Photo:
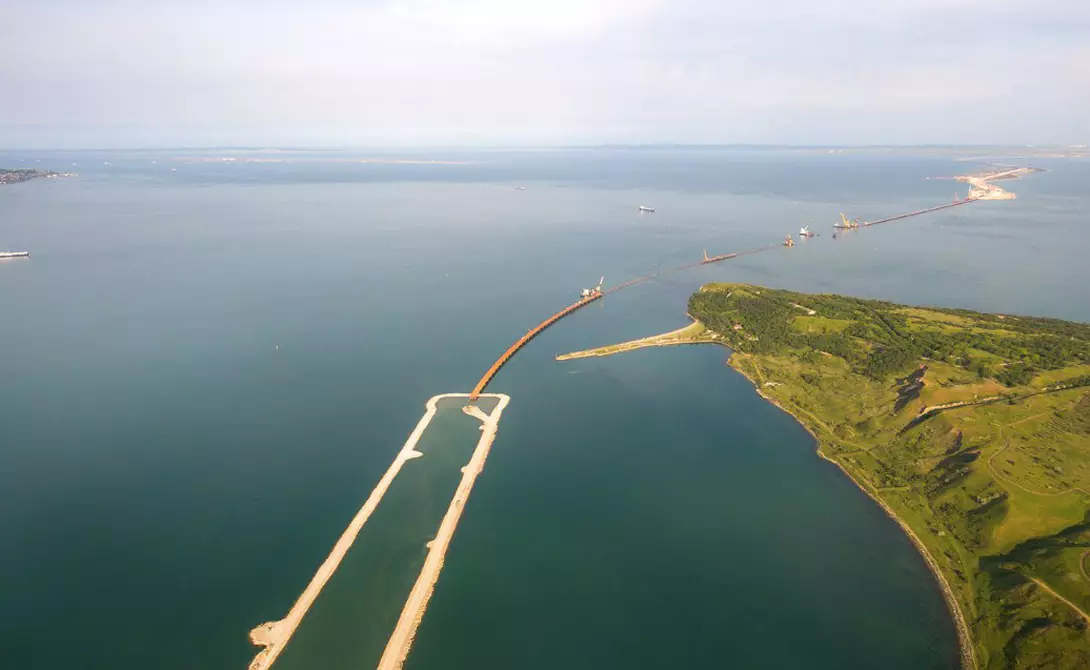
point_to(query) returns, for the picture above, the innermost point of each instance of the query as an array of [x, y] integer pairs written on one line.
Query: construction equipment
[[596, 291], [846, 223]]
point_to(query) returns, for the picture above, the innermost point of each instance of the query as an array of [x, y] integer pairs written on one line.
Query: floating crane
[[805, 232], [596, 291], [846, 223]]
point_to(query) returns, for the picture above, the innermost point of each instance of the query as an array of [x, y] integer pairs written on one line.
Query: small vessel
[[14, 254], [645, 208], [789, 242], [846, 223], [805, 232]]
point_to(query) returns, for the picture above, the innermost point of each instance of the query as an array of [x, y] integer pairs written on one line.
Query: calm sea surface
[[208, 365]]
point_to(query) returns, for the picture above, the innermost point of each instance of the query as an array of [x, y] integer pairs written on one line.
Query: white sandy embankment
[[694, 333], [397, 649], [274, 635]]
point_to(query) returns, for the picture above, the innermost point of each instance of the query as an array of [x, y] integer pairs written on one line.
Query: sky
[[138, 73]]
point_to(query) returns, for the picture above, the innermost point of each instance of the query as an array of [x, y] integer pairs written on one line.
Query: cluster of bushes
[[767, 321]]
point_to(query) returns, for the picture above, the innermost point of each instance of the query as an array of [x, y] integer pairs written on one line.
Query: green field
[[973, 429]]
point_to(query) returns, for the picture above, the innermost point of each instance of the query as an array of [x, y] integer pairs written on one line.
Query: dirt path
[[1057, 596], [1004, 480], [397, 649], [274, 635]]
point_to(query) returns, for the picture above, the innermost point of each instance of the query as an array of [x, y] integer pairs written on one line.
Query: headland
[[20, 175], [971, 430]]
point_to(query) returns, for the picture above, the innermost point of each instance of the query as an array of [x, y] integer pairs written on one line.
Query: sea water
[[208, 366]]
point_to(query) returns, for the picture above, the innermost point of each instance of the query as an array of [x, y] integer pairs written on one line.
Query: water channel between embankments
[[352, 620]]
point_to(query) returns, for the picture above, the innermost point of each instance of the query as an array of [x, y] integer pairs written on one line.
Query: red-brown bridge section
[[921, 211], [532, 333], [521, 342]]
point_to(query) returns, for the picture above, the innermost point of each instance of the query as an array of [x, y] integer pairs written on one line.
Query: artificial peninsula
[[971, 430]]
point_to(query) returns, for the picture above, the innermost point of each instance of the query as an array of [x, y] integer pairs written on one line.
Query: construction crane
[[597, 290], [845, 222]]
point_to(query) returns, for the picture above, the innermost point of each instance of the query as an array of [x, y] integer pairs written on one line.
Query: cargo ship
[[14, 254], [645, 208]]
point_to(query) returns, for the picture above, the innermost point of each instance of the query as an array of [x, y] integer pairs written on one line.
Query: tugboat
[[805, 232]]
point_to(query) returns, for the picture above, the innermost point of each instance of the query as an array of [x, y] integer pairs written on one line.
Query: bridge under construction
[[591, 295], [273, 636]]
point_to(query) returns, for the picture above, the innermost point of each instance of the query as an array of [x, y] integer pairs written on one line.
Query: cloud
[[557, 71]]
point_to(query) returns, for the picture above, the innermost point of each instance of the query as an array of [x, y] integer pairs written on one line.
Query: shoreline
[[966, 652], [965, 645]]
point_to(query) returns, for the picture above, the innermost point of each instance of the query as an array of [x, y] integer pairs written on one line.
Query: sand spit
[[397, 649], [694, 333], [274, 635]]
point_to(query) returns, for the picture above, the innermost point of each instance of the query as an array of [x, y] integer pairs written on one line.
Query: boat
[[846, 223], [805, 232], [789, 242], [644, 208], [14, 254]]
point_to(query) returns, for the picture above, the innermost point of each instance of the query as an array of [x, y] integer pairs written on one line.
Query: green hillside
[[973, 429]]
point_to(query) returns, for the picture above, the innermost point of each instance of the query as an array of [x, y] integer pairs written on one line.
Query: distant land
[[16, 176], [971, 430], [969, 152]]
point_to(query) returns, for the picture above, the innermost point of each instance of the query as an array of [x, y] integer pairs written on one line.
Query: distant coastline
[[360, 161], [19, 175]]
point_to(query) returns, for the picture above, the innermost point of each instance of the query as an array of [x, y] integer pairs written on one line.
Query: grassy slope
[[997, 492]]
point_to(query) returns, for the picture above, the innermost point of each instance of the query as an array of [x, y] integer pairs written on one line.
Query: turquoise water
[[208, 368]]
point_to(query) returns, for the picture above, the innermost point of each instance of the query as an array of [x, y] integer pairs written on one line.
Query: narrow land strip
[[274, 635], [397, 649], [694, 333]]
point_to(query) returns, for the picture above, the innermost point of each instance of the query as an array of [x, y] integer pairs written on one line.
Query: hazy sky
[[100, 73]]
